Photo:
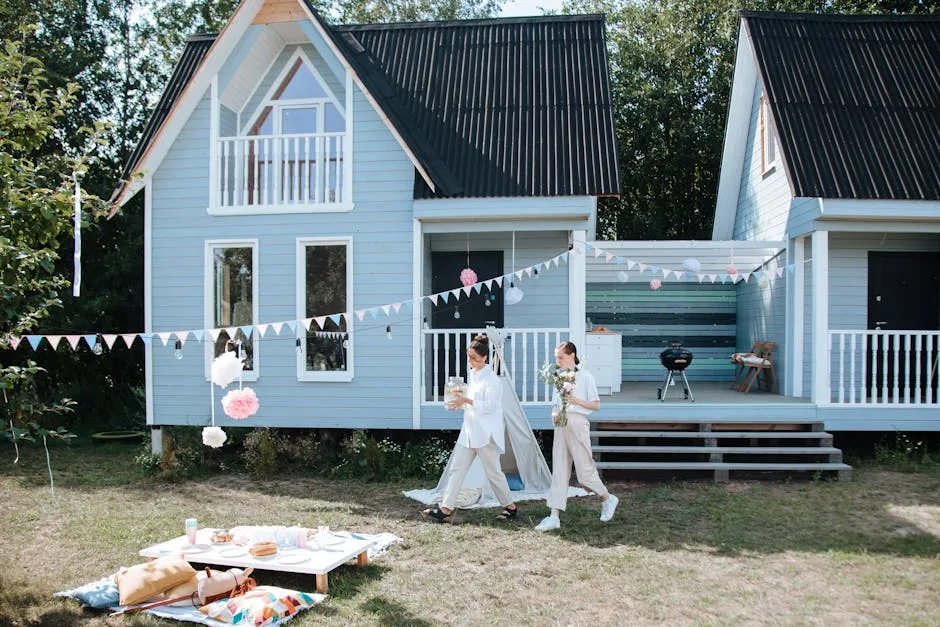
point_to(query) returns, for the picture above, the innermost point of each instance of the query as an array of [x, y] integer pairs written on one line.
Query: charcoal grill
[[675, 360]]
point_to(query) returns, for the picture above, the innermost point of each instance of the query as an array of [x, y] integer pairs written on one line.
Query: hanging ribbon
[[77, 259]]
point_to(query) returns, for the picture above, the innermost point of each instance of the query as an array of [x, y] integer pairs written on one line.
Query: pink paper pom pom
[[468, 277], [732, 270], [655, 284], [239, 404]]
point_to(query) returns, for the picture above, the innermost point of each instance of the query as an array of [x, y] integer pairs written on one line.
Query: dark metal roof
[[498, 107], [856, 101], [195, 51]]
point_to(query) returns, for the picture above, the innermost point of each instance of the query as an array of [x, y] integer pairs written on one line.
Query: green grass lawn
[[778, 552]]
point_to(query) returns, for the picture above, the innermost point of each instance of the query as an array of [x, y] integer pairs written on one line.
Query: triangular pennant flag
[[231, 332], [34, 341], [128, 339], [528, 271], [386, 308], [396, 307], [712, 277], [54, 340], [277, 326], [643, 267], [790, 268], [630, 264], [181, 336], [91, 340], [597, 253], [165, 337], [556, 260], [214, 334], [320, 320], [455, 294], [466, 290], [109, 339], [307, 322], [73, 340], [292, 325], [564, 257], [373, 311], [263, 328], [746, 276], [519, 274], [408, 305], [779, 272], [499, 281], [724, 277], [701, 277], [198, 334], [360, 314], [14, 341], [146, 338], [248, 329], [578, 249], [608, 257], [336, 318], [433, 298], [587, 246], [477, 287]]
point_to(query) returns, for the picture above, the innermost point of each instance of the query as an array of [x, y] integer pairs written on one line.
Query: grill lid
[[676, 357]]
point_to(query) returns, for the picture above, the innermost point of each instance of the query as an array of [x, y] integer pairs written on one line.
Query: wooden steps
[[719, 446]]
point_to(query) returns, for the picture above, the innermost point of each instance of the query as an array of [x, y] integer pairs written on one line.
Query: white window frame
[[301, 291], [768, 138], [209, 303]]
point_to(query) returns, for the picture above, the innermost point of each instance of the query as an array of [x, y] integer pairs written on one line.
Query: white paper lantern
[[692, 265], [225, 368], [623, 277], [513, 295]]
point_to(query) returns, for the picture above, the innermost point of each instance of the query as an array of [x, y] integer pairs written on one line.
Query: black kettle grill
[[675, 360]]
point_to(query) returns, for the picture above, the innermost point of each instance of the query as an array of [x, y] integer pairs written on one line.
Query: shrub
[[261, 452]]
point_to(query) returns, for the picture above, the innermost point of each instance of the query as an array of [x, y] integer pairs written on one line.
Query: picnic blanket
[[103, 593]]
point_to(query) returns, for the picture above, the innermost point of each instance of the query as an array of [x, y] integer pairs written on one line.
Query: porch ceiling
[[714, 256]]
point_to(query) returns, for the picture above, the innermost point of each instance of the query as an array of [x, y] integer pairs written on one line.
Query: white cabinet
[[602, 357]]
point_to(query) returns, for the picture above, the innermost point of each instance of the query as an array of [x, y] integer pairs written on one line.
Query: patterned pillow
[[264, 605], [97, 594]]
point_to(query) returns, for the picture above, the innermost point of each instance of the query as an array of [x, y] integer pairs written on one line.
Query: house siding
[[762, 316], [803, 211], [764, 197], [380, 226]]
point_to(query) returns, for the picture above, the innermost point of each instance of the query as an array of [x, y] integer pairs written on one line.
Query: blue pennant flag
[[477, 287], [199, 334], [373, 311], [564, 257], [337, 317], [247, 329], [790, 268], [292, 325], [655, 269], [408, 304], [724, 277], [619, 260], [34, 340], [146, 338], [588, 246], [90, 340]]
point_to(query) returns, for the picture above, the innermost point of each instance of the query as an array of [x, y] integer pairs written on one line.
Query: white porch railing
[[275, 170], [525, 351], [884, 367]]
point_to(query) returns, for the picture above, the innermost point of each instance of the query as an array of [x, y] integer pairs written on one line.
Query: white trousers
[[573, 444], [463, 457]]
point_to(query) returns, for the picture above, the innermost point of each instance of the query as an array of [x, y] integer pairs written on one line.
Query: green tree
[[375, 11]]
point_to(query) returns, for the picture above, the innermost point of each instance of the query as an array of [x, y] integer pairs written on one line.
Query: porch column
[[417, 337], [577, 277], [796, 332], [214, 143], [820, 391]]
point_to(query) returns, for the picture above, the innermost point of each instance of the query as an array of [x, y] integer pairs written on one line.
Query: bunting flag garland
[[691, 271]]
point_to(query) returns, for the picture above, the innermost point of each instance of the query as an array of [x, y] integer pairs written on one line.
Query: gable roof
[[855, 100], [507, 107], [533, 120]]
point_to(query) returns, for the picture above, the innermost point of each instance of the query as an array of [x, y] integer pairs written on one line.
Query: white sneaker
[[548, 523], [608, 508]]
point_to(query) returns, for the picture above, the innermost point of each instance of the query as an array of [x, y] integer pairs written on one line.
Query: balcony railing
[[884, 367], [281, 170], [525, 352]]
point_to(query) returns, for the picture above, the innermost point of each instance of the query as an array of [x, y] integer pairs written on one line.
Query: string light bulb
[[457, 313], [346, 342], [299, 347], [425, 323], [388, 331], [97, 349], [178, 351]]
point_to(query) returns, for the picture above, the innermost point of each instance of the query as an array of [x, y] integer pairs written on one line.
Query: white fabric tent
[[523, 457]]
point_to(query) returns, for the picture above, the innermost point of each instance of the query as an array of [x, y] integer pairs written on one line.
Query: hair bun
[[481, 337]]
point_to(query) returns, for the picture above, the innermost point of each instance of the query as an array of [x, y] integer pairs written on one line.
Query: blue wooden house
[[833, 147], [307, 186]]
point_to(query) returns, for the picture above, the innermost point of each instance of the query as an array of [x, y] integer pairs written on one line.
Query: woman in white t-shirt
[[573, 442]]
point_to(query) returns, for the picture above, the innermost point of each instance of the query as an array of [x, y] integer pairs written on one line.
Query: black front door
[[476, 312], [903, 294]]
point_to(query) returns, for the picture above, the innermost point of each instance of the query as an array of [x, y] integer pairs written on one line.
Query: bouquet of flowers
[[563, 380]]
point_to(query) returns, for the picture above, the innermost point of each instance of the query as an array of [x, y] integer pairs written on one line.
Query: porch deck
[[704, 392]]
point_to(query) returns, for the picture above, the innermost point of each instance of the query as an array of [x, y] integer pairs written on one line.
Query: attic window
[[768, 138]]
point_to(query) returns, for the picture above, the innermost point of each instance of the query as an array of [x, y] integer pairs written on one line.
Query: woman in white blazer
[[482, 435], [572, 444]]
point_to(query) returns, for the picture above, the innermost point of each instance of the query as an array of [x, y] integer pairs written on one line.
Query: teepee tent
[[523, 459]]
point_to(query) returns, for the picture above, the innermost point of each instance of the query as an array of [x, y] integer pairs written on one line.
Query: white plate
[[234, 552], [194, 548], [330, 540], [293, 558]]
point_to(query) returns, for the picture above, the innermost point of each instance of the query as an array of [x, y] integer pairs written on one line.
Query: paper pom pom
[[213, 436], [513, 295], [732, 271], [225, 368], [468, 277], [692, 265], [623, 277], [239, 404], [655, 284]]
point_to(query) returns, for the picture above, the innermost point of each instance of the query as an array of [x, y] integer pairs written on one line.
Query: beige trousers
[[463, 457], [573, 444]]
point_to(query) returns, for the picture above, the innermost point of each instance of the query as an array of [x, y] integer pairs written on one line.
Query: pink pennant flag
[[128, 339], [360, 314], [578, 249], [214, 334], [73, 340], [307, 322], [396, 307], [746, 276], [263, 328], [277, 326], [109, 339], [54, 340], [528, 271], [181, 336], [164, 337], [386, 308], [466, 290], [608, 257], [14, 341], [321, 321], [779, 272], [643, 267]]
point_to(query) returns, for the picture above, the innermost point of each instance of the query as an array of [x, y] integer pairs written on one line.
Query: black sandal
[[438, 515], [508, 514]]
